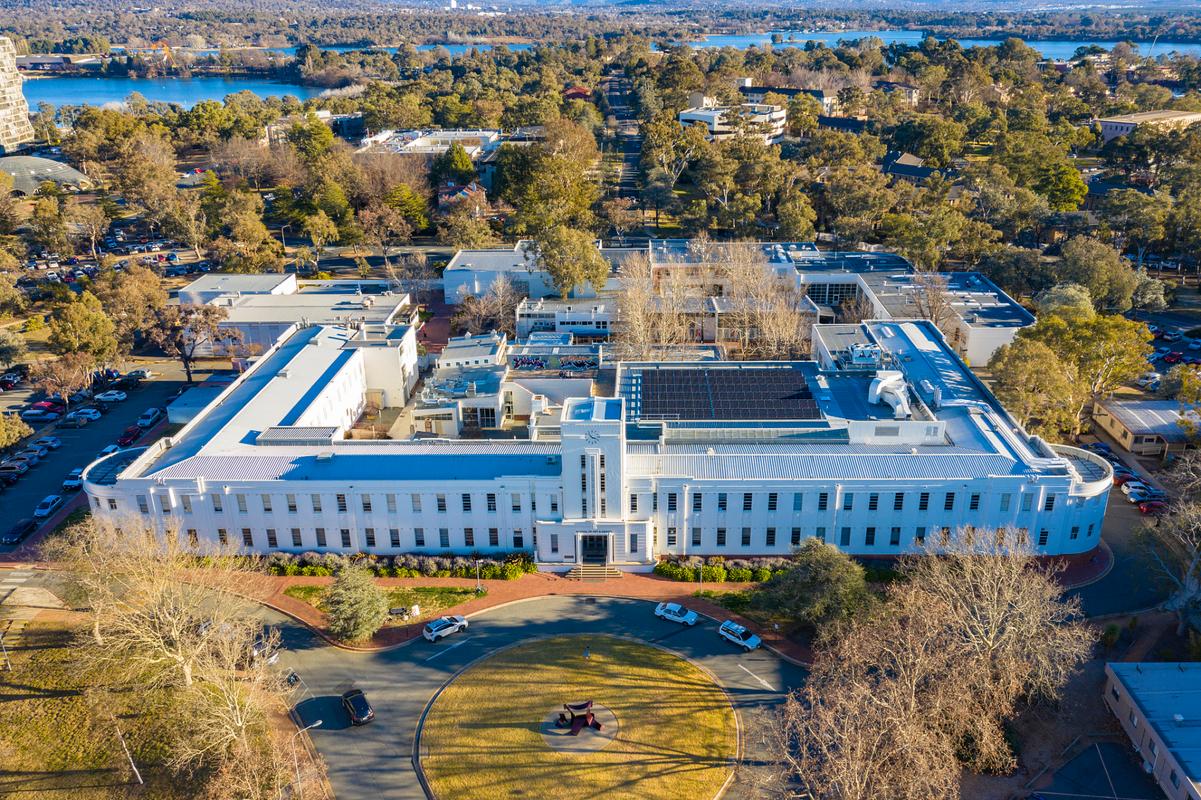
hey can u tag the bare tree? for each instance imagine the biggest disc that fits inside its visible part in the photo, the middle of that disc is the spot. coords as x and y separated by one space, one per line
64 375
182 331
767 312
932 301
853 310
652 308
1173 542
500 304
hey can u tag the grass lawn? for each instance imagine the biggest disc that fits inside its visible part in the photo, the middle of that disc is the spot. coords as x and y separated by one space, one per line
676 731
432 599
55 744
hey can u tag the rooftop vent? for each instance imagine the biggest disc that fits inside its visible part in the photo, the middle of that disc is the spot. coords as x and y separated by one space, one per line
326 455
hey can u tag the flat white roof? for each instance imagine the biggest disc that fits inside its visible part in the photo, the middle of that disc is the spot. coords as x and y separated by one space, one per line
219 282
321 307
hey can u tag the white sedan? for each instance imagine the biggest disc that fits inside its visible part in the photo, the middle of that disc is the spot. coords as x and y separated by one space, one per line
111 396
674 612
442 627
90 413
47 506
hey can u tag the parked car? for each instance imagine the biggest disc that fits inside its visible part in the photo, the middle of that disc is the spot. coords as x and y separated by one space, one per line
17 533
442 627
1147 379
142 374
108 451
1098 447
74 480
1154 507
129 436
48 442
1135 486
48 506
111 396
674 612
14 468
41 451
150 418
1172 336
1122 478
29 457
89 412
356 705
38 415
74 420
1173 357
1136 498
739 635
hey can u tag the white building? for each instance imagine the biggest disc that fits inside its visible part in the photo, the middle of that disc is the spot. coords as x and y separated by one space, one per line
262 307
878 450
432 142
725 122
1113 127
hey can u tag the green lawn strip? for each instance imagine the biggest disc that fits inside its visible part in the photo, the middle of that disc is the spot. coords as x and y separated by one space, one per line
676 731
54 744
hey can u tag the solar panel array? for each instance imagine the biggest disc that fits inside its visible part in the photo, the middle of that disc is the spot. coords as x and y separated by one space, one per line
727 394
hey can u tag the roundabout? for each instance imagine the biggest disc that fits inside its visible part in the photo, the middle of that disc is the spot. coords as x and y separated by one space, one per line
666 729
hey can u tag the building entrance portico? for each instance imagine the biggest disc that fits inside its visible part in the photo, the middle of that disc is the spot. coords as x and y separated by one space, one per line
594 548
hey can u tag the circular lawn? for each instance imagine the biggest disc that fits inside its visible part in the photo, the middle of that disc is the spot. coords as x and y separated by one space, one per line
676 734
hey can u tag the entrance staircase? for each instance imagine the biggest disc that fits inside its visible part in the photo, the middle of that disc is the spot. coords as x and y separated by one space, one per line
593 573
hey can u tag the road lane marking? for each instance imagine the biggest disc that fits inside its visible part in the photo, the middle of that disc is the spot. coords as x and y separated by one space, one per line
447 649
764 683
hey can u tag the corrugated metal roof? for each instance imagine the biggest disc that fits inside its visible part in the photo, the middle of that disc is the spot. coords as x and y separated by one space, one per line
1148 417
821 467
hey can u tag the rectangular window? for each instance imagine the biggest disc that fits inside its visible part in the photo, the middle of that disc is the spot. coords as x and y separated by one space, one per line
697 501
186 501
923 501
848 501
1043 535
272 542
797 501
1027 502
898 502
823 501
721 501
1049 503
655 501
247 538
266 503
973 503
747 501
320 537
112 504
193 537
919 537
419 537
515 502
869 537
222 536
416 499
241 503
341 499
873 502
554 504
466 498
440 499
394 537
316 503
493 537
696 537
949 503
671 537
296 540
1075 532
671 501
795 538
844 537
554 542
469 537
491 500
291 501
633 503
345 537
518 540
369 535
444 537
894 537
772 501
746 537
390 501
1004 503
820 533
366 504
771 537
721 537
216 500
1090 530
164 503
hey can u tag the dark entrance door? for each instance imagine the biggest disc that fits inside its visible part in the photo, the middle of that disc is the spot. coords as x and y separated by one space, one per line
594 549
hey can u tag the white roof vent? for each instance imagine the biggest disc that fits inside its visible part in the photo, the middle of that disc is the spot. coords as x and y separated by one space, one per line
326 455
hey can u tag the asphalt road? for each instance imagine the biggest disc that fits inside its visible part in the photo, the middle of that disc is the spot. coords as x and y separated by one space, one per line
375 761
80 446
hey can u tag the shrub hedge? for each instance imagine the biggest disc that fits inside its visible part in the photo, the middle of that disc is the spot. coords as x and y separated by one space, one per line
409 565
717 569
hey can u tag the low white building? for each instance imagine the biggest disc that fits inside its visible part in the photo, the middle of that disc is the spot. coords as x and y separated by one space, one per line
880 453
725 122
1124 124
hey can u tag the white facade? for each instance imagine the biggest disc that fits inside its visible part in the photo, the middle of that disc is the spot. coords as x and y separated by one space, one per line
892 452
1113 127
726 122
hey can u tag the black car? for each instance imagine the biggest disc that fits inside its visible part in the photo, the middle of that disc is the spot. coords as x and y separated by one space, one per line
356 705
18 532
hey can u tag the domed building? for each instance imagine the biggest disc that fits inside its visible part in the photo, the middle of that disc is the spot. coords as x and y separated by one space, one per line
30 172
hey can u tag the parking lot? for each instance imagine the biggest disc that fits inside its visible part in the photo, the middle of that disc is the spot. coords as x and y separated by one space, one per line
79 445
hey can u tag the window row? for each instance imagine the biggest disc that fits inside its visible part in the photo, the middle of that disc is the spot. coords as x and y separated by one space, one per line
366 538
368 503
870 501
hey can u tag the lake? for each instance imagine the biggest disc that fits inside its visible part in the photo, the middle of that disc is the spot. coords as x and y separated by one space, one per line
1049 48
186 92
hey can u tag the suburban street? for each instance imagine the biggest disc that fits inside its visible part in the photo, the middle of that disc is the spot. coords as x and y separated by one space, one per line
376 760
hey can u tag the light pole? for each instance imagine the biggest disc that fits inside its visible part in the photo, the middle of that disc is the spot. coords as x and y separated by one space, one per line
295 759
478 587
283 228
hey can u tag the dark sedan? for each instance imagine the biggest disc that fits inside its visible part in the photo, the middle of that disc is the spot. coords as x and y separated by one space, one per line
356 705
17 533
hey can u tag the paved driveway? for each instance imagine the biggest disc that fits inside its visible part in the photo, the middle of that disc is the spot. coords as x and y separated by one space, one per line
375 761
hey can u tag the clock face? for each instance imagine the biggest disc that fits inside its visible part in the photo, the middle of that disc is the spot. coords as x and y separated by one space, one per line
592 436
